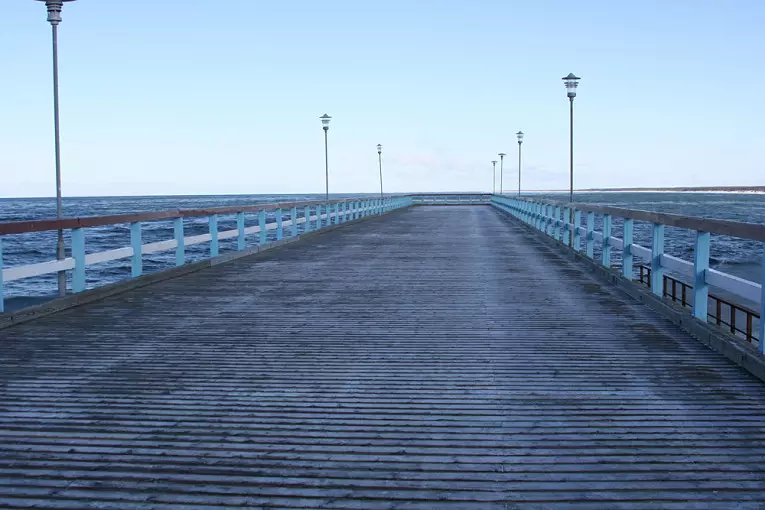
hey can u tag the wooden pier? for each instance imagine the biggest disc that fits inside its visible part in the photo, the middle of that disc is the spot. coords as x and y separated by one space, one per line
430 357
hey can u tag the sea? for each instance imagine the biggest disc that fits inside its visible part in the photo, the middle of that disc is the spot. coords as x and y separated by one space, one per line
736 256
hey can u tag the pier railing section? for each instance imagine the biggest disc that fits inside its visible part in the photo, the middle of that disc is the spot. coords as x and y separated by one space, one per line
573 225
282 220
451 199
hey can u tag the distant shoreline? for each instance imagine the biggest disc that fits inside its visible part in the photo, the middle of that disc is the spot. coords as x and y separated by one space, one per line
752 190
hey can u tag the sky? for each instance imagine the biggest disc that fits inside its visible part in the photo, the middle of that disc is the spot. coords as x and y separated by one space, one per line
214 97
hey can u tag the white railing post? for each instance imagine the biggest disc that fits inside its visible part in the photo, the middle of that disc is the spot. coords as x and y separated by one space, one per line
293 217
627 255
180 248
577 235
78 253
279 224
566 218
589 236
262 225
136 261
307 217
700 267
606 254
240 240
657 250
213 222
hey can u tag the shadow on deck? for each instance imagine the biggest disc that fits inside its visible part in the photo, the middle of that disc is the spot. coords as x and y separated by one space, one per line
435 357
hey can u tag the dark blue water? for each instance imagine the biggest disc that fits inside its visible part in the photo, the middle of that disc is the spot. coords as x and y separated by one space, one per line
736 256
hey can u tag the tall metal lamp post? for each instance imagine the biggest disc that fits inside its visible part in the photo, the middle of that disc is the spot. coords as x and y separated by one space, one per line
494 178
325 125
379 159
519 135
501 171
572 82
54 17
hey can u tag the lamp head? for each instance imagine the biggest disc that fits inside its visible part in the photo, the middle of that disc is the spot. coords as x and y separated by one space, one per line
519 135
572 82
379 149
54 10
325 121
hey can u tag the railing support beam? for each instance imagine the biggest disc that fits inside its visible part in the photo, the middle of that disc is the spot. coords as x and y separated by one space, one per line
180 245
213 221
589 237
657 250
700 267
606 255
627 255
279 225
577 234
78 253
262 226
136 261
240 239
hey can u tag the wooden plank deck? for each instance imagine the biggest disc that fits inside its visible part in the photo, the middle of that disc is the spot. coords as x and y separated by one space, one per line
437 357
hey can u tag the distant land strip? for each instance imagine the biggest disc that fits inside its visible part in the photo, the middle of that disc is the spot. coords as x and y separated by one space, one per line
740 189
710 189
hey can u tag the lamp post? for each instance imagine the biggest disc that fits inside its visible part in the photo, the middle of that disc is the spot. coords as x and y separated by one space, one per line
54 18
572 82
519 135
501 171
325 125
379 159
494 178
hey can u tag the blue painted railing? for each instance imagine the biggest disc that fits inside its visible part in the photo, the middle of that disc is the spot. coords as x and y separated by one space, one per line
303 217
557 220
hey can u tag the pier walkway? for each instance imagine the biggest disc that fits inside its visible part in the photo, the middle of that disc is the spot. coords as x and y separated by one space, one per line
433 357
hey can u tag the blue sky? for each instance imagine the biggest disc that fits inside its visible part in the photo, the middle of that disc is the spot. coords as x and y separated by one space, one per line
203 97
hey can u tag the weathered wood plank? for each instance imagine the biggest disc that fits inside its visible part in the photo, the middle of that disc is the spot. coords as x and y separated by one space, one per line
439 357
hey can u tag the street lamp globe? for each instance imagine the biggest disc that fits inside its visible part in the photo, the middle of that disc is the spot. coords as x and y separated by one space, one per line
519 135
325 121
572 82
54 10
379 149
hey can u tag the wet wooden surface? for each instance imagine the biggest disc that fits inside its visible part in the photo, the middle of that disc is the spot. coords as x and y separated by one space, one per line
437 357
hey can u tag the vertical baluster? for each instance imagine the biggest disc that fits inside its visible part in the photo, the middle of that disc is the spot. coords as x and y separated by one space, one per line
136 261
762 304
556 215
180 245
577 234
240 240
293 217
700 267
566 218
2 292
606 254
627 255
262 226
307 217
279 225
213 222
318 216
589 240
657 250
78 253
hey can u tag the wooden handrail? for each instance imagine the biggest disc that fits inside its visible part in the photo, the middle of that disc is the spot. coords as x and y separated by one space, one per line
754 231
22 227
